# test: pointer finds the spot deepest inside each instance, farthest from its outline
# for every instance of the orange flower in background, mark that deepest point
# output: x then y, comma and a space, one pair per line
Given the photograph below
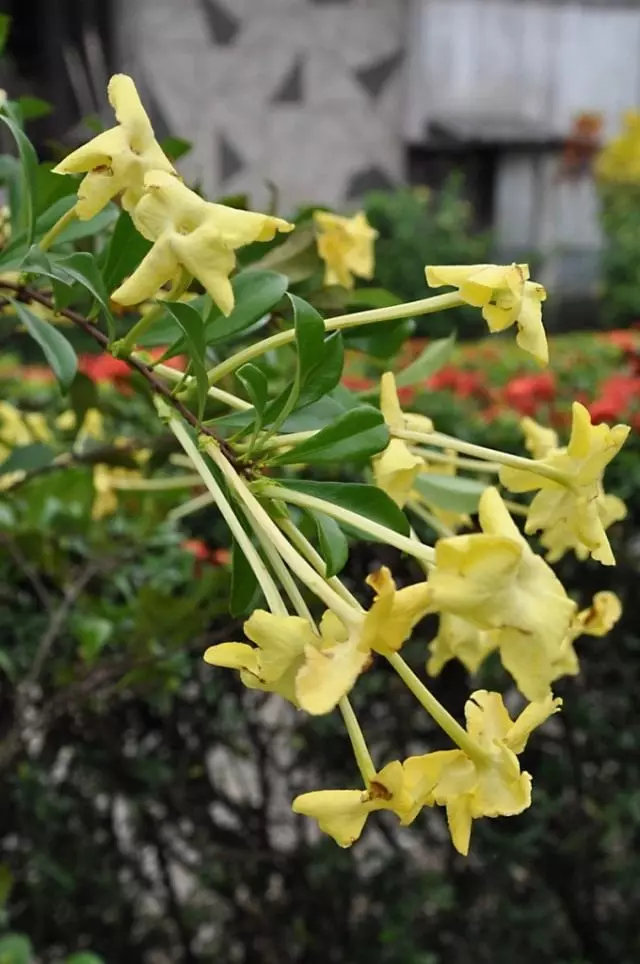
527, 392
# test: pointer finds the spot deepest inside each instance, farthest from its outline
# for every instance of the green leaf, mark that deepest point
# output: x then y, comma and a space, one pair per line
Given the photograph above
192, 325
84, 958
55, 346
356, 434
297, 257
256, 294
326, 374
175, 147
256, 385
455, 493
309, 326
25, 217
366, 500
15, 949
6, 882
28, 458
333, 544
92, 633
381, 341
5, 26
32, 108
83, 395
372, 298
431, 359
78, 267
126, 250
245, 591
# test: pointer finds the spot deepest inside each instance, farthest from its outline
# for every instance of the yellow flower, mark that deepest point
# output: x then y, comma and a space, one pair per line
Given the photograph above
342, 814
598, 620
105, 484
574, 515
330, 671
459, 639
538, 440
92, 424
118, 159
495, 580
191, 233
346, 245
506, 297
396, 469
492, 787
619, 160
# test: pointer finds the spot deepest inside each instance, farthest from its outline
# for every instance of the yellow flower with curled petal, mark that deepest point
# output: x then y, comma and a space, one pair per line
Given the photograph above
506, 296
576, 514
396, 468
191, 233
470, 789
538, 439
346, 245
116, 161
342, 814
330, 671
598, 620
459, 639
495, 580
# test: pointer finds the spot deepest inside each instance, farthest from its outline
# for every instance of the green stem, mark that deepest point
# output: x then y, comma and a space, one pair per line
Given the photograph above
481, 452
193, 505
439, 527
156, 485
438, 458
304, 547
126, 345
425, 306
392, 538
47, 240
437, 712
173, 375
294, 560
358, 742
262, 574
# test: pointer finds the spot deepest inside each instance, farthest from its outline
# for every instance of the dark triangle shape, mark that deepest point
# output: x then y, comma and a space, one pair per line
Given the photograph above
231, 163
291, 88
375, 77
369, 179
223, 26
325, 3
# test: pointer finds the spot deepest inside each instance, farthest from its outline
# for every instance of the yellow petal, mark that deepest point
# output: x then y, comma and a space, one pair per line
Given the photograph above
96, 153
494, 516
460, 822
394, 613
233, 656
389, 403
281, 640
501, 791
539, 441
211, 262
129, 111
459, 639
602, 615
530, 663
329, 674
156, 268
487, 717
452, 275
533, 716
531, 335
96, 190
396, 470
421, 776
341, 814
238, 228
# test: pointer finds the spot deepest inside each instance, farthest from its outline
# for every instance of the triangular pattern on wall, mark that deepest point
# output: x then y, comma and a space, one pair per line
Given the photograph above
223, 25
230, 160
375, 77
291, 87
368, 179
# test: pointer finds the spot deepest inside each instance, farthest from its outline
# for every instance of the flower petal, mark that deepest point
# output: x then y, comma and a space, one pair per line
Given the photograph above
532, 716
329, 674
156, 268
340, 813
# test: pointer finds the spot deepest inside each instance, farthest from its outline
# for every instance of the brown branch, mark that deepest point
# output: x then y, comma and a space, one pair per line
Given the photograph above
25, 294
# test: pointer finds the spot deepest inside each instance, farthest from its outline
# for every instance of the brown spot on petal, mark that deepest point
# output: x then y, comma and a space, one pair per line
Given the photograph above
377, 791
103, 169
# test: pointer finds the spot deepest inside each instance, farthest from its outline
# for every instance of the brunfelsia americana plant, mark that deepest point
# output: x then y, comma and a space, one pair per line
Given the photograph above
163, 270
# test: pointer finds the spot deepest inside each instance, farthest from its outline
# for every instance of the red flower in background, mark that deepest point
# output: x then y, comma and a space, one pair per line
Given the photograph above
618, 394
460, 382
527, 392
205, 555
105, 369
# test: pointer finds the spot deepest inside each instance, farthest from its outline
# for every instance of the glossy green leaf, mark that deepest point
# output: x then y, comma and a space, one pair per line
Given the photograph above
372, 298
5, 26
256, 294
326, 374
256, 386
309, 326
28, 458
366, 500
192, 325
78, 267
431, 359
32, 108
245, 591
24, 218
381, 341
15, 949
175, 147
55, 346
455, 493
332, 542
356, 434
126, 250
6, 883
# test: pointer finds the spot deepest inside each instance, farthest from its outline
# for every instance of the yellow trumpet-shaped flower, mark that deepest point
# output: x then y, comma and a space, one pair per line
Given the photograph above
396, 469
342, 814
598, 620
346, 245
575, 514
329, 672
492, 787
506, 296
459, 639
116, 161
539, 441
495, 580
193, 234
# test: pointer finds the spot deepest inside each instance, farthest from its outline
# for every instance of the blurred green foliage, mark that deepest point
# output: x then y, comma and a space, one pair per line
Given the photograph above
620, 219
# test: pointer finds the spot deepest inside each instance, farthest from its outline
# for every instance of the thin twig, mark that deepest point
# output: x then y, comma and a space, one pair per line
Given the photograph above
25, 294
30, 572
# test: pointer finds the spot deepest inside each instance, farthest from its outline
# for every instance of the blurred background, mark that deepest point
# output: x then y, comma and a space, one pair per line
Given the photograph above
144, 810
